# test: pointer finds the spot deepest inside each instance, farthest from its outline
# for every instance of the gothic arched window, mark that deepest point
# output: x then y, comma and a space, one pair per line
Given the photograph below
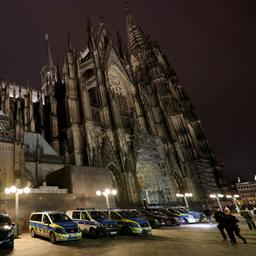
94, 97
121, 88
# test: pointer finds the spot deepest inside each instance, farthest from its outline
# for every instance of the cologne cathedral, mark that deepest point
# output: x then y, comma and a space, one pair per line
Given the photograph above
117, 106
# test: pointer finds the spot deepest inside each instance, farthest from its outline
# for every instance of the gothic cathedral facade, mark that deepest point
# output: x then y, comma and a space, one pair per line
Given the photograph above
123, 109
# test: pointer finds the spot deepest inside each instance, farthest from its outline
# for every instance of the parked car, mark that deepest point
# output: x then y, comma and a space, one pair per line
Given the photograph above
56, 226
199, 216
6, 232
129, 223
152, 219
188, 218
94, 222
168, 218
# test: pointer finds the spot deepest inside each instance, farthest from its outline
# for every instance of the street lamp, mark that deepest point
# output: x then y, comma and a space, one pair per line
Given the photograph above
217, 196
107, 193
185, 197
234, 197
17, 192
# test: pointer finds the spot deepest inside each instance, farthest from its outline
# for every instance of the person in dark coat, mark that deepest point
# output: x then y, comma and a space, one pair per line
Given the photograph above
232, 227
208, 214
220, 219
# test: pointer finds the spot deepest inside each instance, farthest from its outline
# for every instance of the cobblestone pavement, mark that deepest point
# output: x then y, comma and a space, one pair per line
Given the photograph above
188, 240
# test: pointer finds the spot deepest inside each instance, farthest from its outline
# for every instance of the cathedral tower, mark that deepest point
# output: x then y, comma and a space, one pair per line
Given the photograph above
49, 78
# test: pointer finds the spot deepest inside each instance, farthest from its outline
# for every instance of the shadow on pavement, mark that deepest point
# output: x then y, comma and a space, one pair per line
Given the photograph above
106, 241
4, 252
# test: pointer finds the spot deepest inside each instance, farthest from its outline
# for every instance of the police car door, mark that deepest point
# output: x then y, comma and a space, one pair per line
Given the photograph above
117, 217
76, 216
36, 223
45, 226
86, 221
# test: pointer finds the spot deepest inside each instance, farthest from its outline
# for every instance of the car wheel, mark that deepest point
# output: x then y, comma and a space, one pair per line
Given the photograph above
12, 245
93, 233
168, 223
33, 233
84, 234
52, 238
126, 231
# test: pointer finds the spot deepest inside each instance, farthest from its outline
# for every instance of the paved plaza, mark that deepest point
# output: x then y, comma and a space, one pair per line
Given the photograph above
188, 240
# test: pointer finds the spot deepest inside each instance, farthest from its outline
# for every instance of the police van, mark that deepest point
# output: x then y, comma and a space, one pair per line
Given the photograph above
93, 222
129, 223
56, 226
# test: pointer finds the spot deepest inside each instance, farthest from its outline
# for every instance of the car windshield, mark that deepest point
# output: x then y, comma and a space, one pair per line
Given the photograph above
136, 214
173, 211
128, 214
98, 215
4, 221
183, 210
59, 217
155, 211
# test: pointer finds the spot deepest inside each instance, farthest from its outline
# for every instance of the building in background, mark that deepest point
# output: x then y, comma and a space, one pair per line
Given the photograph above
247, 190
116, 107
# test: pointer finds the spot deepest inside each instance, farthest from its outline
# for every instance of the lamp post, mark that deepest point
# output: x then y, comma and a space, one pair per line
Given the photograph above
234, 197
107, 193
217, 196
17, 192
185, 197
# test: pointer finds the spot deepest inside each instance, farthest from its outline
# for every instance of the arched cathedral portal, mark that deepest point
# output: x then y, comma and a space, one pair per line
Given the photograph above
153, 174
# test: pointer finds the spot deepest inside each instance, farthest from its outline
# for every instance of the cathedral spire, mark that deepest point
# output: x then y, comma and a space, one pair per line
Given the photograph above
48, 71
27, 84
48, 54
122, 50
127, 8
91, 34
101, 18
102, 29
136, 37
69, 43
89, 24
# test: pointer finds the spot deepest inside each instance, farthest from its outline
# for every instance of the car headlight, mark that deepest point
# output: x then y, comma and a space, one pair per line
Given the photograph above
133, 224
60, 230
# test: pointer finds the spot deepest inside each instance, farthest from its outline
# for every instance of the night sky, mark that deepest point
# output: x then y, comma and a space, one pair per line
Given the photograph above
211, 45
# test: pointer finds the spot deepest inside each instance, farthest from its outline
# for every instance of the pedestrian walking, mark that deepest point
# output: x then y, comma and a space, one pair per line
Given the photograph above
232, 227
249, 218
208, 214
220, 219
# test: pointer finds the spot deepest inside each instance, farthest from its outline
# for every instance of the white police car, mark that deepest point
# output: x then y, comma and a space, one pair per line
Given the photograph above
54, 225
94, 222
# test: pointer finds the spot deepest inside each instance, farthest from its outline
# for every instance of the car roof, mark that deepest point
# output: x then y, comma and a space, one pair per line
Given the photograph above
4, 215
84, 210
47, 212
118, 210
